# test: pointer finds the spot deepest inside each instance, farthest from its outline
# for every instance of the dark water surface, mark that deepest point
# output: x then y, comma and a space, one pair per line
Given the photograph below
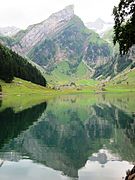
86, 137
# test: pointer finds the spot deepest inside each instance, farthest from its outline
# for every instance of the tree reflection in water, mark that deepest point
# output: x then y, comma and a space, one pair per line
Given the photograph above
65, 135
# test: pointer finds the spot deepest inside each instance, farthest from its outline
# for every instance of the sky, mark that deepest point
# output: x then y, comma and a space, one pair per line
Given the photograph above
22, 13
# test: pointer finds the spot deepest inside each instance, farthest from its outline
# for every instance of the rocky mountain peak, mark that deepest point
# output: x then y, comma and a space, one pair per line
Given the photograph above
65, 14
99, 26
38, 32
99, 20
70, 8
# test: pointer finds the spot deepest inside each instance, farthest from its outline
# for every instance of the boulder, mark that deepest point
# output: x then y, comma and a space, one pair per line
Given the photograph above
130, 174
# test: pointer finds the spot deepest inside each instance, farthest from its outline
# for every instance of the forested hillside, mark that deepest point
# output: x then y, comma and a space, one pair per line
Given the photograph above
12, 65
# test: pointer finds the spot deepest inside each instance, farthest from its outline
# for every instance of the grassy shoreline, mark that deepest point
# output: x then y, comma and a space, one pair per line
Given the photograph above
21, 87
21, 94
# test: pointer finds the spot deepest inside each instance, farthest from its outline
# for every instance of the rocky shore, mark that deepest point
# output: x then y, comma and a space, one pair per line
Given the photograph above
130, 174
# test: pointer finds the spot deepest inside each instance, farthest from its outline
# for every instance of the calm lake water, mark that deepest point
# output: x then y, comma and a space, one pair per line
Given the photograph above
85, 137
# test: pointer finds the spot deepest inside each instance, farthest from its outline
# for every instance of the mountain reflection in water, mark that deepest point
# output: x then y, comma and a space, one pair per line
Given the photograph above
72, 132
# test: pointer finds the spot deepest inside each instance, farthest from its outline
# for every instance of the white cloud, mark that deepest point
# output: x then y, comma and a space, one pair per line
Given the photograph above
22, 13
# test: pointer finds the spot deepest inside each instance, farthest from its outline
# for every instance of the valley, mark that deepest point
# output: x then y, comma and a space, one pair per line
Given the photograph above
67, 52
67, 90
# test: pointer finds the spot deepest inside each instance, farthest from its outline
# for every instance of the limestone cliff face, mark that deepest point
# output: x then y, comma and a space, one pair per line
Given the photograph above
38, 32
62, 36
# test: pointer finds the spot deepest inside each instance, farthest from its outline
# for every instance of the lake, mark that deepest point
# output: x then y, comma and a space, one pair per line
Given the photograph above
68, 137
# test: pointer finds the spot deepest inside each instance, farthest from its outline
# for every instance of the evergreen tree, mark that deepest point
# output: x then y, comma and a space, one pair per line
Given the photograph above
12, 65
124, 28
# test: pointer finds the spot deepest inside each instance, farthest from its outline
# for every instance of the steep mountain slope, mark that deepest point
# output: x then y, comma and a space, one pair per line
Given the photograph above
7, 41
39, 32
108, 36
61, 39
73, 43
125, 80
62, 35
110, 69
67, 50
117, 63
12, 65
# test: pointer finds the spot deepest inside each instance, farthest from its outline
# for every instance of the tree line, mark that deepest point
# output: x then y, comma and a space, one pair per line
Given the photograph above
12, 65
